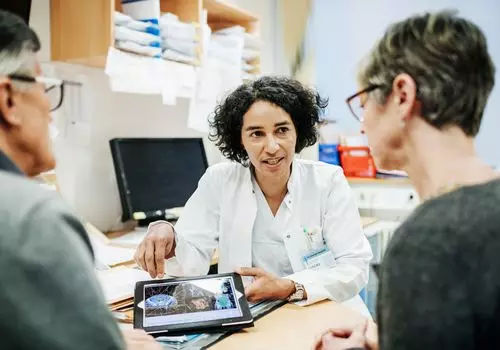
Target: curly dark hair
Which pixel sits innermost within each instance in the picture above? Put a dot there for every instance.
(305, 107)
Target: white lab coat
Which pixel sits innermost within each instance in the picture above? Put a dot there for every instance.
(221, 214)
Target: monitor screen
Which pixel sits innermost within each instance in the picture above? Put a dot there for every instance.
(157, 174)
(21, 8)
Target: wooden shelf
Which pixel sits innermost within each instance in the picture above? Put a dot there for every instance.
(223, 15)
(82, 31)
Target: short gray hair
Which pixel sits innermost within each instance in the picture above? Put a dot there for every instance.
(18, 45)
(448, 58)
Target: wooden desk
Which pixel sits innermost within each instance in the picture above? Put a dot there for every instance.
(291, 327)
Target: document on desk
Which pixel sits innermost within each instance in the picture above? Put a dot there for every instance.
(109, 255)
(118, 283)
(130, 239)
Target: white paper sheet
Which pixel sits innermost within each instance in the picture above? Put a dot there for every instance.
(119, 283)
(110, 255)
(215, 79)
(140, 75)
(130, 239)
(169, 84)
(185, 77)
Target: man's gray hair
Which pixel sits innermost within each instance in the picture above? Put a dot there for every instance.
(18, 45)
(448, 58)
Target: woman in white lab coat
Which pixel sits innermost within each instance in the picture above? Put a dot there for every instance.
(290, 224)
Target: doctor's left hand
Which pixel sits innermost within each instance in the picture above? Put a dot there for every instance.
(265, 285)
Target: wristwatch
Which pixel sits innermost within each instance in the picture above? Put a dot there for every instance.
(299, 293)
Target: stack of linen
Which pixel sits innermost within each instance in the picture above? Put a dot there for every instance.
(244, 46)
(180, 41)
(137, 36)
(251, 53)
(227, 45)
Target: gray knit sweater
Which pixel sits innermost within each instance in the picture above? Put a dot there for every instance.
(440, 278)
(50, 298)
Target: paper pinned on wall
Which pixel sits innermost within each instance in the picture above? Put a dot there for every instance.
(185, 77)
(137, 86)
(169, 84)
(199, 112)
(215, 79)
(138, 74)
(120, 63)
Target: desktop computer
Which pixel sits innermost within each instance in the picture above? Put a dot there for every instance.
(155, 175)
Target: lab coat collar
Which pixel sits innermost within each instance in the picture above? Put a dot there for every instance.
(292, 186)
(293, 182)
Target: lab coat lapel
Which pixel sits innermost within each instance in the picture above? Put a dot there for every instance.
(292, 236)
(245, 212)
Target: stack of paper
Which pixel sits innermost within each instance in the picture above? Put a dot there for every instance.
(118, 285)
(130, 239)
(107, 255)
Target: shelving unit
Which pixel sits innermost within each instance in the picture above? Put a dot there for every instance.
(82, 31)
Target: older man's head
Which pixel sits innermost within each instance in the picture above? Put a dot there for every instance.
(25, 98)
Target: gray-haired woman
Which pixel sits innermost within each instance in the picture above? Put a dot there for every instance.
(423, 92)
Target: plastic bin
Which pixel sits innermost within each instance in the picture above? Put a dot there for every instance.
(357, 161)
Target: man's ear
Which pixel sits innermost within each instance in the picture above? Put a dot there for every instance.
(7, 104)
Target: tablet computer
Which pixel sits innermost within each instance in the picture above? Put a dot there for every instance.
(206, 304)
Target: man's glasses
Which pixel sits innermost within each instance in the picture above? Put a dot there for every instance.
(54, 88)
(356, 102)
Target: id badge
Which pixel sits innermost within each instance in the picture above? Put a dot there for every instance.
(317, 259)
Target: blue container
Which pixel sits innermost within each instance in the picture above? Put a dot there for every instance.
(329, 153)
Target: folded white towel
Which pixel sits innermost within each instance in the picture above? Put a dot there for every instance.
(176, 56)
(138, 48)
(167, 16)
(127, 34)
(250, 54)
(179, 30)
(140, 26)
(238, 30)
(188, 48)
(142, 10)
(121, 18)
(252, 41)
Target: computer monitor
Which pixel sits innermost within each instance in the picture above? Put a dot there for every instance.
(21, 8)
(156, 174)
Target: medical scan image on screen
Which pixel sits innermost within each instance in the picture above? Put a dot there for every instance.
(190, 301)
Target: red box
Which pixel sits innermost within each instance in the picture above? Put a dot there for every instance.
(357, 161)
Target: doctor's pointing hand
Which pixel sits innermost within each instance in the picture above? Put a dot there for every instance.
(290, 225)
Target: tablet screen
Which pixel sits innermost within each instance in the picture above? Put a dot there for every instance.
(201, 300)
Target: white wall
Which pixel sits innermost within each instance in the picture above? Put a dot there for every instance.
(344, 31)
(85, 171)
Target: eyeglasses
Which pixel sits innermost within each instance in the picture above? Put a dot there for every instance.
(356, 102)
(54, 88)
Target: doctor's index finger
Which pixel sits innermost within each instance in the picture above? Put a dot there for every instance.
(149, 257)
(250, 271)
(160, 247)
